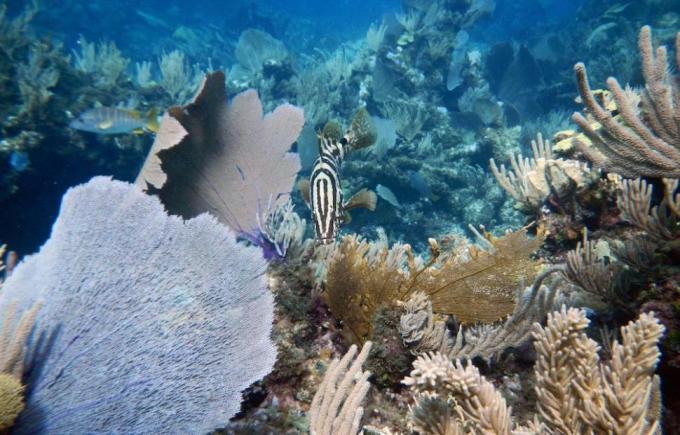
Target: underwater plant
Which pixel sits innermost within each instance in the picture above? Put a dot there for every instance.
(154, 324)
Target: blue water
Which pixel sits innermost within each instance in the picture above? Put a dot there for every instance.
(526, 51)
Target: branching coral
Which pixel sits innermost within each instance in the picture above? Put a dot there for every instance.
(13, 337)
(409, 117)
(419, 329)
(11, 400)
(375, 36)
(489, 340)
(639, 141)
(659, 222)
(284, 230)
(598, 277)
(12, 30)
(104, 61)
(178, 78)
(336, 407)
(422, 333)
(37, 76)
(576, 392)
(531, 180)
(476, 406)
(361, 277)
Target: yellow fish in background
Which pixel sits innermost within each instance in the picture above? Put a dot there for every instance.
(111, 120)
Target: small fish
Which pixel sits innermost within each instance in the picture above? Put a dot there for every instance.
(19, 161)
(323, 191)
(110, 120)
(418, 182)
(385, 193)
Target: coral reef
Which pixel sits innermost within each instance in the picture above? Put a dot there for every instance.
(449, 85)
(576, 393)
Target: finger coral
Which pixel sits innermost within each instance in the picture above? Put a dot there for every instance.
(152, 324)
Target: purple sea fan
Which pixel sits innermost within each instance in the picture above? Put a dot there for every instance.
(228, 159)
(152, 324)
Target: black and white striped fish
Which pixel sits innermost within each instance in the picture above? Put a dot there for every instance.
(323, 191)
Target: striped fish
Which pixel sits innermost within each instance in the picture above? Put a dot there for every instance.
(111, 120)
(323, 191)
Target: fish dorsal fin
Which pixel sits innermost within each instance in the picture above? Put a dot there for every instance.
(329, 146)
(303, 186)
(105, 125)
(134, 114)
(364, 198)
(152, 121)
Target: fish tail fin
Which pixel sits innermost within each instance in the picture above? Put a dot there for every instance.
(303, 186)
(364, 198)
(152, 124)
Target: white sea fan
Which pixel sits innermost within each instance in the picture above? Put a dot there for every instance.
(151, 324)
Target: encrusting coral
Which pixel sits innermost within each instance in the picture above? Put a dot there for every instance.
(639, 141)
(576, 392)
